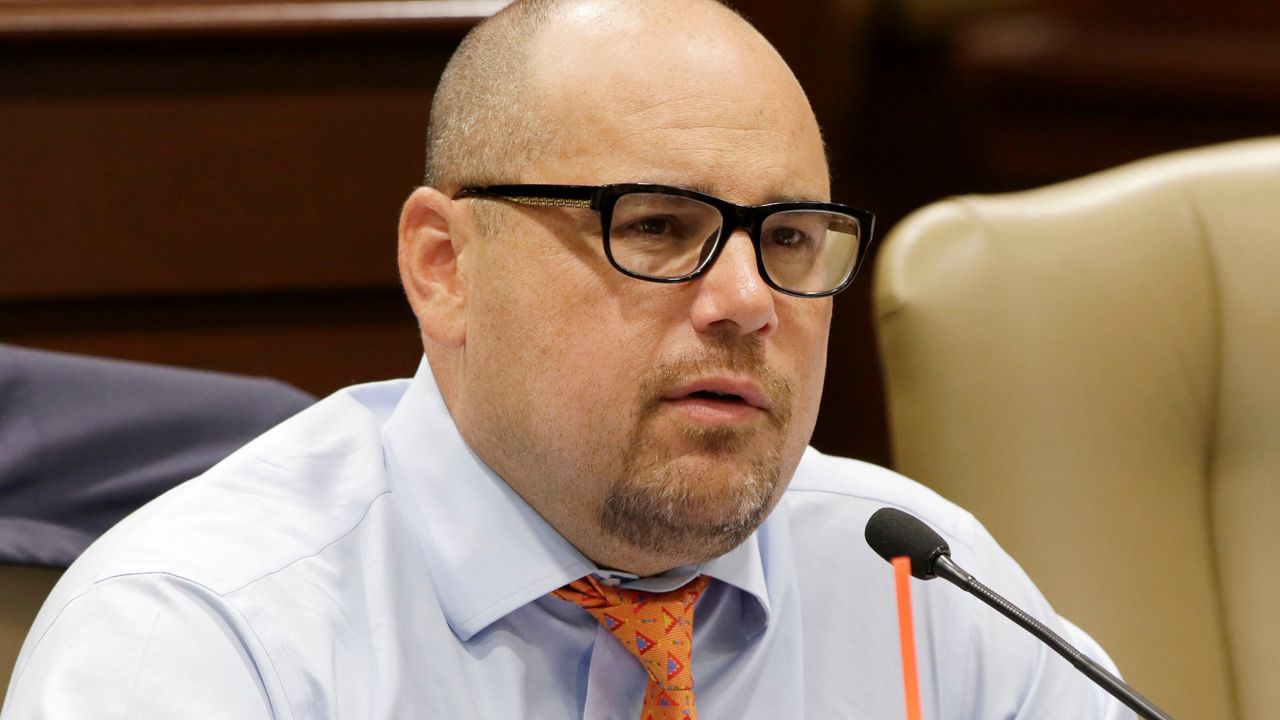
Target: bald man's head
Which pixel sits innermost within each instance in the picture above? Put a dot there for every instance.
(579, 385)
(485, 120)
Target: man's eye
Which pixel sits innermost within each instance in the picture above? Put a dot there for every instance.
(653, 226)
(650, 228)
(787, 237)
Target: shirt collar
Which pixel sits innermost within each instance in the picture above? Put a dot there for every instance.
(488, 551)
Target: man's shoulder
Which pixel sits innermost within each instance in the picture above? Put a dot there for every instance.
(845, 492)
(283, 497)
(275, 547)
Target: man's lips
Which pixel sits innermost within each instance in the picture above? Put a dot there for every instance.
(720, 390)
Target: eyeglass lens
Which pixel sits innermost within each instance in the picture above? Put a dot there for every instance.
(668, 236)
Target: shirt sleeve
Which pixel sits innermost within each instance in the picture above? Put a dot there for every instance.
(142, 647)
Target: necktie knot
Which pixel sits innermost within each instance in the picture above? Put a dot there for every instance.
(657, 629)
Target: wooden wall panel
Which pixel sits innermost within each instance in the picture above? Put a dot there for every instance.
(166, 178)
(216, 185)
(1078, 86)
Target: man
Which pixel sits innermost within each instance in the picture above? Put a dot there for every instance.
(613, 416)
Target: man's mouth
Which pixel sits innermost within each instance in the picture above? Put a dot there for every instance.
(716, 395)
(720, 400)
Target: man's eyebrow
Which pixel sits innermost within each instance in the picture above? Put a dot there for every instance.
(773, 197)
(789, 197)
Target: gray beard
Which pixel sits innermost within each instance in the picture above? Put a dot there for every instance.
(661, 507)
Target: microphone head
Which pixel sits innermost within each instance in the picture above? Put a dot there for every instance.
(893, 533)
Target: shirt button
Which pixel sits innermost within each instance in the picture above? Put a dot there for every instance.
(610, 581)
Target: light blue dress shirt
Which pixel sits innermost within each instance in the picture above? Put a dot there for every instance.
(360, 562)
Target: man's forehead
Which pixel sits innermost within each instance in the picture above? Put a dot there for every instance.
(754, 166)
(662, 103)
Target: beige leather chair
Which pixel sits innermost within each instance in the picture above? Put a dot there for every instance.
(1093, 368)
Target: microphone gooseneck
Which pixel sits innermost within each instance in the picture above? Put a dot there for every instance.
(894, 533)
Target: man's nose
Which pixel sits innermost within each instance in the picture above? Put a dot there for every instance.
(731, 295)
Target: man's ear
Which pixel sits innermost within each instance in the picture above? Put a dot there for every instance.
(430, 242)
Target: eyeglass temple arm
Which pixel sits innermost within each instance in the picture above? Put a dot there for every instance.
(549, 202)
(534, 200)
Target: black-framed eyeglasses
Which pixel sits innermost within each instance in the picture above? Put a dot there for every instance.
(669, 234)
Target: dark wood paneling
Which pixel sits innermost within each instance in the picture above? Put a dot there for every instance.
(216, 185)
(203, 168)
(1185, 13)
(1061, 93)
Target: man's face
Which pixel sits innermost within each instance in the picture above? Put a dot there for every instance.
(652, 424)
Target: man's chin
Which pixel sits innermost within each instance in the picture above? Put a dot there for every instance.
(694, 507)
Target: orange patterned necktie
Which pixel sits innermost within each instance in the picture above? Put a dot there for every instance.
(658, 630)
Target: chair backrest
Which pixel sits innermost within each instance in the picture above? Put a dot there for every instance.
(1093, 368)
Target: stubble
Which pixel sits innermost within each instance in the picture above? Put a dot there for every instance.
(705, 495)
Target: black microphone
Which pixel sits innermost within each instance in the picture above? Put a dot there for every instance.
(893, 533)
